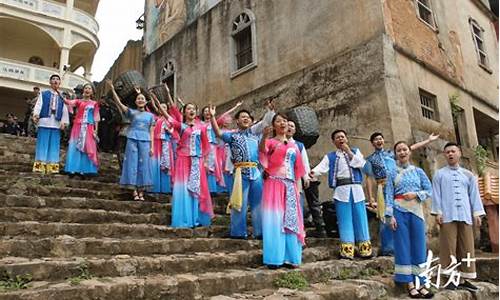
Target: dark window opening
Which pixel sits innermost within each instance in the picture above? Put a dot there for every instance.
(428, 103)
(243, 40)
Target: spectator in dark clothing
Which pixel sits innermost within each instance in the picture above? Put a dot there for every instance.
(12, 127)
(107, 126)
(29, 126)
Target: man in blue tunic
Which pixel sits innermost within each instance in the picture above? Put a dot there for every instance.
(247, 186)
(378, 165)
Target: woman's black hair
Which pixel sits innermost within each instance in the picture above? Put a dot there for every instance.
(202, 114)
(400, 142)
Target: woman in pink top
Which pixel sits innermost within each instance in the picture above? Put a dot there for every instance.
(282, 223)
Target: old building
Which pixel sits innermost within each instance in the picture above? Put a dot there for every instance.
(40, 38)
(406, 68)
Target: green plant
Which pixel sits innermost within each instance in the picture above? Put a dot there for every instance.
(346, 274)
(9, 283)
(368, 272)
(481, 156)
(83, 268)
(292, 280)
(455, 108)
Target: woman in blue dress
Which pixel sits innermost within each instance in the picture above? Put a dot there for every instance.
(407, 188)
(136, 170)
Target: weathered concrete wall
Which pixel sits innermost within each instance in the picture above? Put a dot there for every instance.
(291, 35)
(129, 59)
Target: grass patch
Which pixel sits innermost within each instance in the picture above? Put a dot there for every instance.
(10, 283)
(83, 268)
(292, 280)
(368, 272)
(346, 274)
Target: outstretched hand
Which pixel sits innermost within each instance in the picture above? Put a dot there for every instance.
(433, 137)
(212, 109)
(270, 105)
(137, 89)
(110, 84)
(268, 132)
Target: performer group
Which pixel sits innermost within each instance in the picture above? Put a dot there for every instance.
(173, 150)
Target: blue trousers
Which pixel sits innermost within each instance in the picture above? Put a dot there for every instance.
(352, 222)
(409, 247)
(48, 145)
(386, 235)
(136, 169)
(252, 194)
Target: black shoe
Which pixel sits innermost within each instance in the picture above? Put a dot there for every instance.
(290, 266)
(451, 287)
(426, 294)
(273, 267)
(466, 285)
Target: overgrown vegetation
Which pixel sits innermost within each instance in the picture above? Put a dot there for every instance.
(292, 280)
(455, 108)
(481, 156)
(346, 273)
(9, 282)
(83, 268)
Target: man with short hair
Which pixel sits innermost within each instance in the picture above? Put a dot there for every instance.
(51, 115)
(378, 165)
(344, 176)
(457, 205)
(248, 184)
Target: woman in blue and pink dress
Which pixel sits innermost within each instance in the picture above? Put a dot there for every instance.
(282, 223)
(81, 157)
(191, 201)
(213, 165)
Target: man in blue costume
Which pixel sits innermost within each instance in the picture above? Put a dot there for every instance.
(51, 114)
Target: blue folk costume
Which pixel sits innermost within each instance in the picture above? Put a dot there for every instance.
(247, 184)
(345, 177)
(378, 165)
(137, 170)
(409, 236)
(53, 113)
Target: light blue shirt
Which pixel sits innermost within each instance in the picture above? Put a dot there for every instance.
(141, 122)
(407, 179)
(456, 195)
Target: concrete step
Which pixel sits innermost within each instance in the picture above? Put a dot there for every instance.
(53, 269)
(189, 286)
(38, 229)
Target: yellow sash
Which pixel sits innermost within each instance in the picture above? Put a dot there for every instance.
(380, 200)
(236, 199)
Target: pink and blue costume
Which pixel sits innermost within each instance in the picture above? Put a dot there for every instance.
(191, 201)
(282, 221)
(163, 157)
(81, 157)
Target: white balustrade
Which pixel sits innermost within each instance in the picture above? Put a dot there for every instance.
(55, 9)
(36, 74)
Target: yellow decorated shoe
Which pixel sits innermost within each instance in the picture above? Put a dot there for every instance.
(365, 249)
(39, 167)
(347, 250)
(52, 168)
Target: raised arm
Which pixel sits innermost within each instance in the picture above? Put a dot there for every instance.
(154, 102)
(268, 132)
(213, 121)
(116, 98)
(230, 111)
(432, 137)
(266, 121)
(170, 101)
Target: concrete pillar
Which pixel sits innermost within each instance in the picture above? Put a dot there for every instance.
(63, 61)
(69, 8)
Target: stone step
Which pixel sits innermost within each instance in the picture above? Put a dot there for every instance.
(189, 286)
(53, 269)
(82, 216)
(38, 229)
(26, 165)
(67, 246)
(134, 207)
(370, 289)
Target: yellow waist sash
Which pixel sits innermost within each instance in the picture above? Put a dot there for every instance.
(380, 199)
(236, 199)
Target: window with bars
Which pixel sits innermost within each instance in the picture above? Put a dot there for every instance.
(243, 43)
(424, 11)
(428, 104)
(478, 38)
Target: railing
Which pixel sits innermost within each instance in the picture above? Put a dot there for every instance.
(36, 74)
(57, 10)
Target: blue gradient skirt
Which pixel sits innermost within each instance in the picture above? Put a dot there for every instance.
(78, 162)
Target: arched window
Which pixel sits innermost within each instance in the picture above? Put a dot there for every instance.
(167, 75)
(36, 60)
(243, 43)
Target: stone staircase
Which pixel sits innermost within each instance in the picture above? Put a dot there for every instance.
(65, 238)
